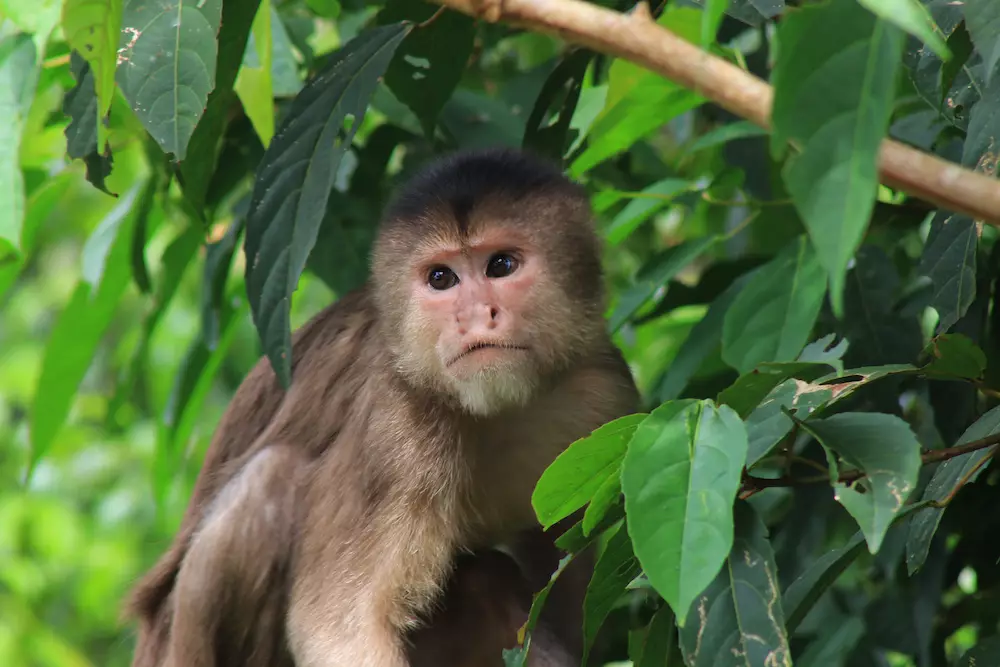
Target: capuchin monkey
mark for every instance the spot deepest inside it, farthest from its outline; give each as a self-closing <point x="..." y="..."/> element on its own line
<point x="378" y="513"/>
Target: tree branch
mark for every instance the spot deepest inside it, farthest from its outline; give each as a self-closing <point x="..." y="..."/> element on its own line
<point x="637" y="38"/>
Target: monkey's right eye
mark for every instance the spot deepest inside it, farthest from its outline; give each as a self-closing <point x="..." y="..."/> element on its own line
<point x="442" y="278"/>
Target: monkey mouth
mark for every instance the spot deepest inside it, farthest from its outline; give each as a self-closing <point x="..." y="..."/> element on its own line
<point x="485" y="344"/>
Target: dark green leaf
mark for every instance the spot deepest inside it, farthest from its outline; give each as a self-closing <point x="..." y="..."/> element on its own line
<point x="80" y="104"/>
<point x="658" y="640"/>
<point x="945" y="482"/>
<point x="616" y="567"/>
<point x="949" y="260"/>
<point x="751" y="388"/>
<point x="773" y="316"/>
<point x="954" y="356"/>
<point x="93" y="30"/>
<point x="983" y="20"/>
<point x="655" y="275"/>
<point x="740" y="620"/>
<point x="887" y="451"/>
<point x="742" y="129"/>
<point x="820" y="351"/>
<point x="911" y="16"/>
<point x="802" y="594"/>
<point x="429" y="62"/>
<point x="833" y="644"/>
<point x="960" y="45"/>
<point x="834" y="83"/>
<point x="680" y="477"/>
<point x="979" y="150"/>
<point x="549" y="136"/>
<point x="295" y="179"/>
<point x="986" y="652"/>
<point x="168" y="54"/>
<point x="768" y="424"/>
<point x="578" y="472"/>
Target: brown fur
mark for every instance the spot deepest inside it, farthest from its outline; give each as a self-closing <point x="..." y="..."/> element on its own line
<point x="328" y="521"/>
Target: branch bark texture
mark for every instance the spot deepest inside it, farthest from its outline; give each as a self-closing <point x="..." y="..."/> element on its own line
<point x="638" y="39"/>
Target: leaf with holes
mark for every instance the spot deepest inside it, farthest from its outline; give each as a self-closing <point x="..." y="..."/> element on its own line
<point x="168" y="57"/>
<point x="740" y="613"/>
<point x="92" y="28"/>
<point x="885" y="449"/>
<point x="680" y="478"/>
<point x="296" y="176"/>
<point x="834" y="86"/>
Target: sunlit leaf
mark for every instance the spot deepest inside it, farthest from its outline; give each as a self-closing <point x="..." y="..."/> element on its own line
<point x="18" y="76"/>
<point x="253" y="83"/>
<point x="680" y="477"/>
<point x="912" y="17"/>
<point x="295" y="178"/>
<point x="92" y="28"/>
<point x="834" y="83"/>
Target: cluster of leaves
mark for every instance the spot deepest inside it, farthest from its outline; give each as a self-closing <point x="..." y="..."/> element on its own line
<point x="819" y="354"/>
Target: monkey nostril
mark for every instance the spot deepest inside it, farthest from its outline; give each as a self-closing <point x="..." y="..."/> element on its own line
<point x="493" y="313"/>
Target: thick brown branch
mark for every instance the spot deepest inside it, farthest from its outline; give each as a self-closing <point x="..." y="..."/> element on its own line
<point x="637" y="38"/>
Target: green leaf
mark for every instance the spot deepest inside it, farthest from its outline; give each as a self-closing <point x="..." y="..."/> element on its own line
<point x="912" y="17"/>
<point x="253" y="83"/>
<point x="168" y="56"/>
<point x="430" y="61"/>
<point x="768" y="424"/>
<point x="819" y="351"/>
<point x="986" y="652"/>
<point x="582" y="469"/>
<point x="740" y="613"/>
<point x="834" y="644"/>
<point x="886" y="450"/>
<point x="549" y="136"/>
<point x="644" y="204"/>
<point x="943" y="484"/>
<point x="655" y="275"/>
<point x="203" y="150"/>
<point x="639" y="101"/>
<point x="741" y="129"/>
<point x="751" y="388"/>
<point x="949" y="260"/>
<point x="93" y="28"/>
<point x="954" y="356"/>
<point x="680" y="478"/>
<point x="804" y="592"/>
<point x="80" y="104"/>
<point x="773" y="316"/>
<point x="605" y="497"/>
<point x="616" y="567"/>
<point x="982" y="17"/>
<point x="658" y="640"/>
<point x="834" y="83"/>
<point x="296" y="176"/>
<point x="80" y="326"/>
<point x="18" y="76"/>
<point x="978" y="152"/>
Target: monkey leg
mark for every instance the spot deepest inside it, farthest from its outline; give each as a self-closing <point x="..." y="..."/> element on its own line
<point x="229" y="599"/>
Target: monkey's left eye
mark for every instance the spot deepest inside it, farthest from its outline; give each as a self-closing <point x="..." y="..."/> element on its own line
<point x="500" y="265"/>
<point x="441" y="278"/>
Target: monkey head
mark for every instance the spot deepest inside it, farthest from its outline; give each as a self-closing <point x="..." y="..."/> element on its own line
<point x="487" y="278"/>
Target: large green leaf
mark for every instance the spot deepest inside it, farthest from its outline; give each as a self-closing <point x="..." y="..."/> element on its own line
<point x="295" y="179"/>
<point x="578" y="472"/>
<point x="680" y="477"/>
<point x="943" y="483"/>
<point x="168" y="58"/>
<point x="93" y="28"/>
<point x="834" y="83"/>
<point x="429" y="63"/>
<point x="949" y="260"/>
<point x="912" y="17"/>
<point x="740" y="620"/>
<point x="18" y="75"/>
<point x="616" y="567"/>
<point x="773" y="316"/>
<point x="751" y="388"/>
<point x="886" y="450"/>
<point x="983" y="20"/>
<point x="80" y="326"/>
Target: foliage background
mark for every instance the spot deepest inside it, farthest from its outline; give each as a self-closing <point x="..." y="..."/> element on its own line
<point x="127" y="324"/>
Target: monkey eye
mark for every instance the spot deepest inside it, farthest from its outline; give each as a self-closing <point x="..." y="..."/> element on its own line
<point x="441" y="278"/>
<point x="500" y="265"/>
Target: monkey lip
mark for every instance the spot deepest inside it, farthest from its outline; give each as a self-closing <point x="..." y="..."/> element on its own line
<point x="485" y="345"/>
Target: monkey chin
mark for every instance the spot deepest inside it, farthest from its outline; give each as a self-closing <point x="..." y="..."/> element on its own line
<point x="484" y="390"/>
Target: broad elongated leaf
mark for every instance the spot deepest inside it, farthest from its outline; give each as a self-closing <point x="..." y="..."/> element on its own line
<point x="616" y="567"/>
<point x="547" y="135"/>
<point x="768" y="423"/>
<point x="954" y="356"/>
<point x="93" y="28"/>
<point x="983" y="20"/>
<point x="802" y="594"/>
<point x="80" y="326"/>
<point x="742" y="129"/>
<point x="949" y="260"/>
<point x="295" y="178"/>
<point x="773" y="316"/>
<point x="750" y="388"/>
<point x="167" y="69"/>
<point x="579" y="471"/>
<point x="912" y="17"/>
<point x="943" y="483"/>
<point x="834" y="84"/>
<point x="739" y="619"/>
<point x="658" y="640"/>
<point x="429" y="63"/>
<point x="984" y="125"/>
<point x="18" y="75"/>
<point x="253" y="83"/>
<point x="651" y="200"/>
<point x="680" y="477"/>
<point x="80" y="104"/>
<point x="655" y="275"/>
<point x="884" y="447"/>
